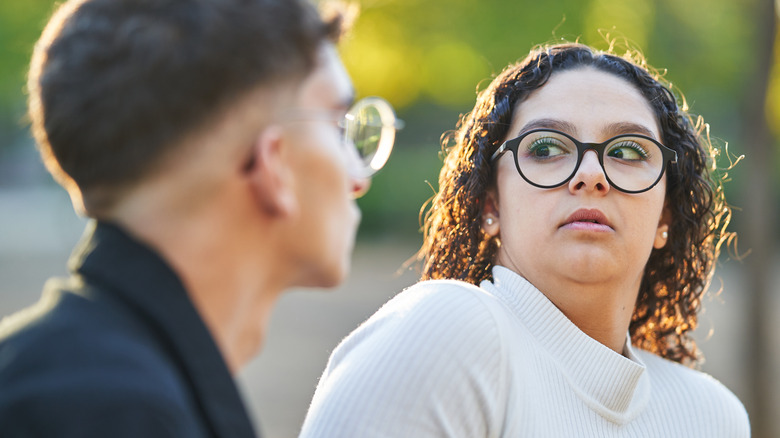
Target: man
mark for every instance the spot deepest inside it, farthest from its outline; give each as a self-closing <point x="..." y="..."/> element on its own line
<point x="210" y="141"/>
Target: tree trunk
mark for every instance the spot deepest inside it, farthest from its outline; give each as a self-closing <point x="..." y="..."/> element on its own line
<point x="757" y="234"/>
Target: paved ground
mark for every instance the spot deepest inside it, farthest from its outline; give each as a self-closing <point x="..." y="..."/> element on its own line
<point x="37" y="230"/>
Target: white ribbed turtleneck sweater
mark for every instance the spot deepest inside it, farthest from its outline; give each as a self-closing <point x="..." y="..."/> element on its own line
<point x="446" y="358"/>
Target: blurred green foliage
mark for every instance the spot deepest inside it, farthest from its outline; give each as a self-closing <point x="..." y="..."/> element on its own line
<point x="392" y="205"/>
<point x="437" y="54"/>
<point x="21" y="22"/>
<point x="430" y="57"/>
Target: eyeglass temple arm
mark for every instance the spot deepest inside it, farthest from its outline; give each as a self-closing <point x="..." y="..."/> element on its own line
<point x="397" y="124"/>
<point x="498" y="152"/>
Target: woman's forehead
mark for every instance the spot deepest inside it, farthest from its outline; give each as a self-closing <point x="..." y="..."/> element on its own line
<point x="587" y="103"/>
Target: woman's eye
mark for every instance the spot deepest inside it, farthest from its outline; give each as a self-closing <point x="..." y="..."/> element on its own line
<point x="628" y="150"/>
<point x="546" y="148"/>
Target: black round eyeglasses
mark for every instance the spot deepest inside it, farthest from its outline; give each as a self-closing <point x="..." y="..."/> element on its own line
<point x="547" y="158"/>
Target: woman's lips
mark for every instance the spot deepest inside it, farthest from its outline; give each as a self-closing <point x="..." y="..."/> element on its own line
<point x="587" y="219"/>
<point x="586" y="226"/>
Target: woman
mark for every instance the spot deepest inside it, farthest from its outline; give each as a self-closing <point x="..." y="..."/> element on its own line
<point x="575" y="230"/>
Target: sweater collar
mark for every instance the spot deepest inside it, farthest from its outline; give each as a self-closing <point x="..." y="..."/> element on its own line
<point x="615" y="386"/>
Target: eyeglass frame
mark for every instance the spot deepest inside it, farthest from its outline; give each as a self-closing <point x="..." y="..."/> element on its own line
<point x="342" y="118"/>
<point x="397" y="124"/>
<point x="669" y="156"/>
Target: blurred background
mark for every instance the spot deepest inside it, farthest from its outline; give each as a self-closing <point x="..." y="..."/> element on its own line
<point x="429" y="59"/>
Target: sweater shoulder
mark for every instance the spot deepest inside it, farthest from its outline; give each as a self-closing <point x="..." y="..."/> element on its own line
<point x="683" y="377"/>
<point x="437" y="289"/>
<point x="429" y="327"/>
<point x="440" y="307"/>
<point x="464" y="298"/>
<point x="434" y="360"/>
<point x="693" y="390"/>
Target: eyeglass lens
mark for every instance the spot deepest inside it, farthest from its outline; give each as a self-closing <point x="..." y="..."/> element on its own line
<point x="549" y="158"/>
<point x="370" y="127"/>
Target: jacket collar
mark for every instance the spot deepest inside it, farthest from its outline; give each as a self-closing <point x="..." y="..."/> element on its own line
<point x="134" y="273"/>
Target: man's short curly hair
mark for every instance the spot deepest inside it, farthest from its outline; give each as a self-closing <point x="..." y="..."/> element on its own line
<point x="676" y="276"/>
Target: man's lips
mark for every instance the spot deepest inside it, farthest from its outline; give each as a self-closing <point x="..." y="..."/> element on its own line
<point x="587" y="219"/>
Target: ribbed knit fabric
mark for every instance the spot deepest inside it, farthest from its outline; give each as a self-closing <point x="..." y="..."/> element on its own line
<point x="449" y="359"/>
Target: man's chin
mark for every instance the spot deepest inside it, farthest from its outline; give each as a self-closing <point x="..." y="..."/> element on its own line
<point x="330" y="277"/>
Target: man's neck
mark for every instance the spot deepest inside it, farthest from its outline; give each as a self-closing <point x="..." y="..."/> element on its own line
<point x="232" y="278"/>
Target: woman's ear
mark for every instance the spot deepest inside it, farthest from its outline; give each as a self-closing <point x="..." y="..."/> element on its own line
<point x="270" y="174"/>
<point x="662" y="232"/>
<point x="490" y="215"/>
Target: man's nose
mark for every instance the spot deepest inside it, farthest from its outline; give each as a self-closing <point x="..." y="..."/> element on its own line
<point x="360" y="186"/>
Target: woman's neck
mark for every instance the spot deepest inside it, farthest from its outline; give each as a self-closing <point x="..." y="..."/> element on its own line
<point x="602" y="310"/>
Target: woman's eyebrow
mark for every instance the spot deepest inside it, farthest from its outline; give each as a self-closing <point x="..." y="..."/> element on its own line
<point x="619" y="128"/>
<point x="609" y="130"/>
<point x="558" y="125"/>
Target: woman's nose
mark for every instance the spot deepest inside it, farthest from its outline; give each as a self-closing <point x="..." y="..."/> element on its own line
<point x="590" y="175"/>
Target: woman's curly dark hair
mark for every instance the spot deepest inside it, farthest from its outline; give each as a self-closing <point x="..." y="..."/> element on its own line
<point x="676" y="276"/>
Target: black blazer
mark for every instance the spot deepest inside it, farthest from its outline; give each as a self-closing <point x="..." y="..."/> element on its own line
<point x="115" y="350"/>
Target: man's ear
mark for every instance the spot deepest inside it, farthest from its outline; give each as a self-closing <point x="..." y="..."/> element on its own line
<point x="490" y="217"/>
<point x="662" y="232"/>
<point x="270" y="174"/>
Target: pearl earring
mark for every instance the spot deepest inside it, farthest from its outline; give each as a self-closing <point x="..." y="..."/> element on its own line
<point x="489" y="221"/>
<point x="664" y="234"/>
